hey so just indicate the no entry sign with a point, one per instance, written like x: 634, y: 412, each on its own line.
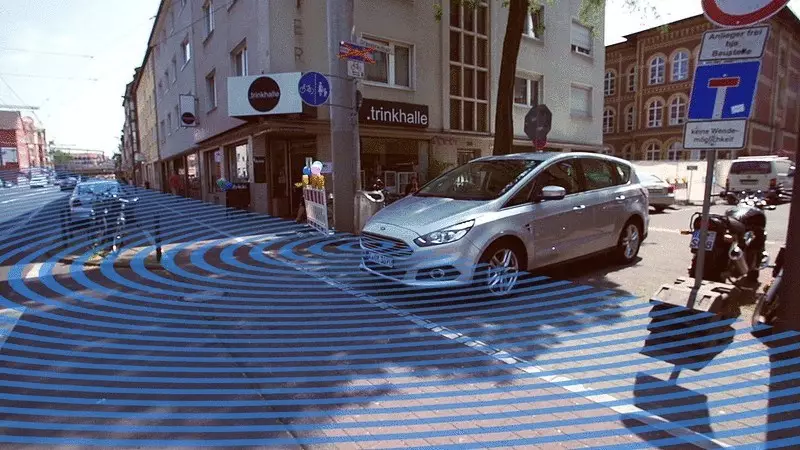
x: 740, y: 13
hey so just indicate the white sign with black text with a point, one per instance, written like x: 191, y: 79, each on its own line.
x: 715, y: 134
x: 736, y: 43
x: 355, y: 69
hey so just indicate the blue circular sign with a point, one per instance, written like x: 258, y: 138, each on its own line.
x: 314, y: 88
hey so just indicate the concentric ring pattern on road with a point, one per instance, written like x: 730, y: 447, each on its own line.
x: 255, y: 331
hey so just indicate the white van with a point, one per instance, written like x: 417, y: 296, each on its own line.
x: 772, y: 175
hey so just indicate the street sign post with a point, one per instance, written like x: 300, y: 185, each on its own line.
x: 740, y: 13
x: 314, y: 88
x: 730, y: 44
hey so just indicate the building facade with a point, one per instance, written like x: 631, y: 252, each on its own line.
x: 131, y: 159
x: 147, y: 123
x: 648, y: 80
x: 428, y: 100
x: 23, y: 144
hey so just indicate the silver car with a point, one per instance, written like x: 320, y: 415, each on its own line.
x: 661, y: 193
x: 491, y: 219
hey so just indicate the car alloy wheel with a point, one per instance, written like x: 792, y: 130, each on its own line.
x: 503, y: 272
x: 630, y: 241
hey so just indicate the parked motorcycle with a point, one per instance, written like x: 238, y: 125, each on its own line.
x: 768, y: 303
x: 735, y: 245
x: 755, y: 199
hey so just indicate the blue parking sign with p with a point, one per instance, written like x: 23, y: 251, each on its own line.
x: 314, y: 88
x: 724, y: 91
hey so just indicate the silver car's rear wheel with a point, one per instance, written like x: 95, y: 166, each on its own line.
x: 630, y: 240
x: 500, y: 269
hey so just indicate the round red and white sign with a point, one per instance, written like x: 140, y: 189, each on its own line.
x: 740, y: 13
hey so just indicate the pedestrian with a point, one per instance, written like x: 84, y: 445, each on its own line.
x: 147, y: 185
x: 412, y: 186
x: 301, y: 207
x: 175, y: 182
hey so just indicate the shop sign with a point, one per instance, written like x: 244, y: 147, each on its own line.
x: 268, y: 94
x: 380, y: 112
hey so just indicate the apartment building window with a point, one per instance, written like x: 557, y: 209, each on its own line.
x: 526, y: 91
x: 580, y: 101
x: 609, y: 117
x: 653, y: 151
x: 238, y: 164
x: 677, y: 110
x: 177, y: 118
x: 211, y: 91
x: 163, y: 131
x: 675, y: 151
x: 632, y: 79
x: 657, y: 70
x: 534, y: 23
x: 680, y: 66
x: 169, y: 123
x: 239, y: 60
x: 630, y: 118
x: 208, y: 17
x: 627, y: 152
x: 392, y: 63
x: 655, y: 114
x: 174, y: 69
x: 469, y: 67
x: 581, y: 39
x: 186, y: 50
x: 609, y: 83
x: 183, y: 3
x: 171, y: 20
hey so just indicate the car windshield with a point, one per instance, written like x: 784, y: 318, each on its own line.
x: 479, y: 180
x: 649, y: 178
x: 99, y: 189
x: 751, y: 168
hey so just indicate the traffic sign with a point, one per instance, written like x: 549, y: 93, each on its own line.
x: 691, y: 167
x: 355, y: 52
x: 538, y: 122
x: 314, y: 88
x: 355, y: 69
x: 741, y: 43
x: 740, y: 13
x: 715, y: 134
x: 724, y: 91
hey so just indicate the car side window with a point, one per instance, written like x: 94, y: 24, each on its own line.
x: 522, y: 197
x: 597, y: 174
x: 563, y: 174
x: 623, y: 173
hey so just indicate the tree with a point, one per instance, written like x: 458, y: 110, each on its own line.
x: 591, y: 12
x: 60, y: 158
x: 117, y: 158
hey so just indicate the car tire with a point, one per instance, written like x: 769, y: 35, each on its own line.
x: 660, y: 209
x: 500, y: 268
x: 629, y: 242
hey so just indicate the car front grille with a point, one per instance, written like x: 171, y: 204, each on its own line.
x: 394, y: 248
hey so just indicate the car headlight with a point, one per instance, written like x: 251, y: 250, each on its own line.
x: 445, y: 235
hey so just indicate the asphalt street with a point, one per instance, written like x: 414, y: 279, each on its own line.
x: 256, y: 332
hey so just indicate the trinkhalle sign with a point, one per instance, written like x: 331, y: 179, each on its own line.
x: 379, y: 112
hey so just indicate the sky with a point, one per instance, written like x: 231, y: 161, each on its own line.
x: 73, y: 58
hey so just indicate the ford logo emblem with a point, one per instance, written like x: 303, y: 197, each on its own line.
x: 383, y: 228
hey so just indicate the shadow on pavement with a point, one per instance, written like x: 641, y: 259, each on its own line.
x: 783, y: 415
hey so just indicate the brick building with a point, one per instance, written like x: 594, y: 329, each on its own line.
x: 22, y: 143
x: 648, y: 80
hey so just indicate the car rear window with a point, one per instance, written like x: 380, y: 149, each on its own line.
x: 645, y: 177
x: 751, y: 168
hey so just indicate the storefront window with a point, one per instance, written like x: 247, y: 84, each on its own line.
x: 238, y: 164
x: 193, y: 174
x: 214, y: 165
x: 392, y: 163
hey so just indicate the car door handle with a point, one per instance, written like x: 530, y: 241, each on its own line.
x: 620, y: 197
x: 579, y: 208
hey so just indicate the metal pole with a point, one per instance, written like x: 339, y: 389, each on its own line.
x: 345, y: 150
x: 701, y: 247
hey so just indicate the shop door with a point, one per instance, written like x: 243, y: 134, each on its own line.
x: 300, y: 151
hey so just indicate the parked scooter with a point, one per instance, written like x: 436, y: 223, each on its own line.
x: 755, y: 199
x: 768, y: 303
x: 735, y: 245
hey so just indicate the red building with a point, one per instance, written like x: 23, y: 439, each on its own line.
x: 22, y: 144
x: 649, y: 77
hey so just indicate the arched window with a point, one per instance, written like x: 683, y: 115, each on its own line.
x: 652, y: 152
x: 609, y: 83
x: 630, y: 118
x: 632, y: 79
x: 677, y: 110
x: 655, y: 114
x: 680, y: 66
x: 657, y: 70
x: 675, y: 152
x: 608, y: 120
x: 627, y: 152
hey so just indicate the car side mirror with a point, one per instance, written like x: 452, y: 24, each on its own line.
x: 553, y: 193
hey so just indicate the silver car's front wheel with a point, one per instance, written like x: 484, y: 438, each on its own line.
x: 500, y: 269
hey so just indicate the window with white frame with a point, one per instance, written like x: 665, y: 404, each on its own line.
x: 630, y: 118
x: 657, y: 68
x: 655, y: 114
x: 627, y: 152
x: 526, y: 91
x: 469, y: 66
x: 186, y: 50
x: 534, y: 23
x: 239, y: 60
x: 208, y: 17
x: 609, y: 83
x: 608, y: 120
x: 632, y: 79
x: 677, y: 111
x: 581, y: 38
x: 580, y: 101
x: 680, y: 66
x: 211, y: 91
x: 675, y: 151
x: 392, y: 63
x: 652, y: 152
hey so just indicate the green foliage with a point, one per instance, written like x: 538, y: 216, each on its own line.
x: 60, y: 157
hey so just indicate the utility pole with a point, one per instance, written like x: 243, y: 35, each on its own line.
x: 345, y: 149
x: 789, y: 309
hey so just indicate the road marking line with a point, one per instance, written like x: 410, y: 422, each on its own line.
x: 698, y: 439
x: 8, y: 319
